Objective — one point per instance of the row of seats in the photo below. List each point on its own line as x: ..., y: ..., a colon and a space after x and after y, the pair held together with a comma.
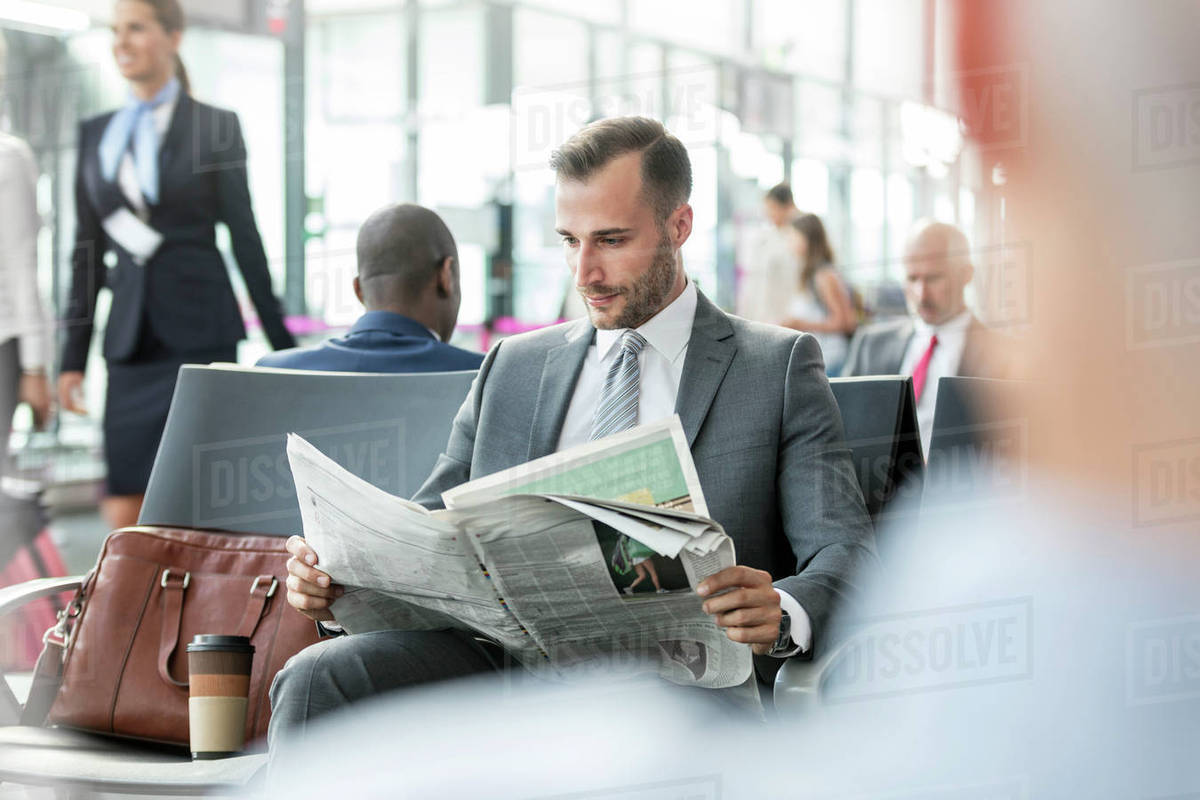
x: 222, y: 465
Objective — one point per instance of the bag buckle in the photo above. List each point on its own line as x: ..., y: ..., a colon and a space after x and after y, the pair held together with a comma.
x: 59, y: 635
x: 187, y: 578
x: 260, y: 578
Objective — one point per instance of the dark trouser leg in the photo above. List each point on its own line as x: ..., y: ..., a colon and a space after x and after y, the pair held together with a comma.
x: 10, y: 378
x: 337, y: 672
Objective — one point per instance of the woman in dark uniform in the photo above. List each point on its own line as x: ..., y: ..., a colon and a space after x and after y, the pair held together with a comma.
x: 153, y: 179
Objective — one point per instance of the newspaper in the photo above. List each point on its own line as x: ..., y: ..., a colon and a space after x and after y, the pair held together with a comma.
x: 582, y: 562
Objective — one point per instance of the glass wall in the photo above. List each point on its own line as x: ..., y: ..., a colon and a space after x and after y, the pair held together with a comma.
x: 457, y: 104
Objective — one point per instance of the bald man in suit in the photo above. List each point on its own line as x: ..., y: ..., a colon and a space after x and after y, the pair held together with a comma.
x: 943, y: 337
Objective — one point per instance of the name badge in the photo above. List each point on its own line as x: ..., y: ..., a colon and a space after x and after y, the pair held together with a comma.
x: 136, y: 237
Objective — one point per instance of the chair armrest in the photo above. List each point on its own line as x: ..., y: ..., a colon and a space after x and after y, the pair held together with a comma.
x: 13, y: 597
x: 798, y: 686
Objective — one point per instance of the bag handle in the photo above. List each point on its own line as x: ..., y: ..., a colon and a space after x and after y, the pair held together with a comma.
x: 262, y: 589
x: 171, y: 618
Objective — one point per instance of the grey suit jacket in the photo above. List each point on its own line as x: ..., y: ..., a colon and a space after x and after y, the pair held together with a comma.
x: 764, y: 430
x: 879, y: 350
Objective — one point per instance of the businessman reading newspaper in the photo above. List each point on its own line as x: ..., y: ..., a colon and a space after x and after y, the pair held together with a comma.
x: 757, y: 412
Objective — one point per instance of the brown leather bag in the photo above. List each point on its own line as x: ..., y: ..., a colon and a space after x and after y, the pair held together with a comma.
x: 124, y: 670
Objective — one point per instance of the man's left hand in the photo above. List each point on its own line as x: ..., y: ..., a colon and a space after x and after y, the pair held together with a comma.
x: 749, y: 612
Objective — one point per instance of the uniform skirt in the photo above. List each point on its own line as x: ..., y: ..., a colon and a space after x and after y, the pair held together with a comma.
x: 135, y: 409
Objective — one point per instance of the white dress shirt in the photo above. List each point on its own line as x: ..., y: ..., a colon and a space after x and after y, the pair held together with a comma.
x: 127, y: 177
x: 952, y: 339
x: 661, y: 366
x: 22, y: 314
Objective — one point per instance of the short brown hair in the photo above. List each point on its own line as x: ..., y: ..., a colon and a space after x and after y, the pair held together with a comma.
x: 666, y: 169
x: 781, y: 193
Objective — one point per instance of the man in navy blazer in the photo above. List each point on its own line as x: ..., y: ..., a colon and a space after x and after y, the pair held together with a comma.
x: 408, y: 279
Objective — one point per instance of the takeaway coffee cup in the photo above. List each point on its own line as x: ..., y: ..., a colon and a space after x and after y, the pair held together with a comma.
x: 219, y: 678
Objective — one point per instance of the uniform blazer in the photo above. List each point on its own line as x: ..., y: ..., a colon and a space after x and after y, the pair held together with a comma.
x: 183, y: 291
x: 879, y: 350
x: 380, y: 341
x: 764, y: 430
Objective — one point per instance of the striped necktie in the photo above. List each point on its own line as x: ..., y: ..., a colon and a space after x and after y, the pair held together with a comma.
x: 618, y: 407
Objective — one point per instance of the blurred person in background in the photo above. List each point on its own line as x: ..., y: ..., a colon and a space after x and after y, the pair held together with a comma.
x: 24, y: 334
x: 153, y: 180
x: 408, y: 280
x: 942, y: 337
x: 769, y: 277
x: 821, y: 301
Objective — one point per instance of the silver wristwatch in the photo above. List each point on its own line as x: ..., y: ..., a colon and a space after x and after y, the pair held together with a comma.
x: 783, y: 642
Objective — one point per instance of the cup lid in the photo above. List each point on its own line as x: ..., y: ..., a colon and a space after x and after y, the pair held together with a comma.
x: 212, y: 642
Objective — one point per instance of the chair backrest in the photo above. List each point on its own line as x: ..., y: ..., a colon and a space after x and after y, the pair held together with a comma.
x: 979, y: 441
x: 880, y: 421
x: 222, y: 461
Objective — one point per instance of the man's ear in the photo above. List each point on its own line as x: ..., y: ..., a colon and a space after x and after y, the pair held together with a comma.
x: 445, y: 278
x: 679, y: 225
x: 358, y: 290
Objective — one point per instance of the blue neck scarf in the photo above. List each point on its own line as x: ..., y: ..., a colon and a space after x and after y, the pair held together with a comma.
x: 135, y: 122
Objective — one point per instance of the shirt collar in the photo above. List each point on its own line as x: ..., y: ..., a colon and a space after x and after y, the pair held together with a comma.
x: 668, y: 331
x: 956, y: 324
x: 167, y: 95
x: 391, y: 322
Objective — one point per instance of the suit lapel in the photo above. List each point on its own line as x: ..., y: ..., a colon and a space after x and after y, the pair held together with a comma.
x: 106, y: 196
x: 893, y: 350
x: 710, y: 352
x: 560, y: 371
x: 968, y: 364
x: 173, y: 145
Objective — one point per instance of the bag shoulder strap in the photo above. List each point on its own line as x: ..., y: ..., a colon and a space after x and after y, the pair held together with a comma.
x: 48, y: 670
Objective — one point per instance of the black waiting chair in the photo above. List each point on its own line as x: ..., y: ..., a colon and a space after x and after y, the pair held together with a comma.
x: 978, y: 445
x: 222, y: 465
x: 976, y: 455
x: 880, y: 422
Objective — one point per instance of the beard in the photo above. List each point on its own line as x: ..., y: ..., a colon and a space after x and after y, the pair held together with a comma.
x: 644, y: 298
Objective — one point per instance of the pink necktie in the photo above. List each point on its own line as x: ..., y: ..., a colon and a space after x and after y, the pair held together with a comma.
x: 921, y: 371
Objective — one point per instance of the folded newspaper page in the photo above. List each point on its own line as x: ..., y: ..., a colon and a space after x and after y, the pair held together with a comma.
x: 582, y: 562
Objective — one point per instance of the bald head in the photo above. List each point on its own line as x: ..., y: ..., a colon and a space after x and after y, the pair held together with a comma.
x: 937, y: 269
x: 408, y: 263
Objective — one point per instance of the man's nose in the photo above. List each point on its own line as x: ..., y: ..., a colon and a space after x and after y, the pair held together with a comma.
x: 588, y: 266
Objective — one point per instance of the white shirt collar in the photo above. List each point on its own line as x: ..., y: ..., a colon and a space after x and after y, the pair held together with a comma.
x: 668, y: 331
x: 956, y: 324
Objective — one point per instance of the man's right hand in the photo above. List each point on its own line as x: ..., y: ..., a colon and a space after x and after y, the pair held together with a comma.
x: 70, y: 392
x: 310, y: 591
